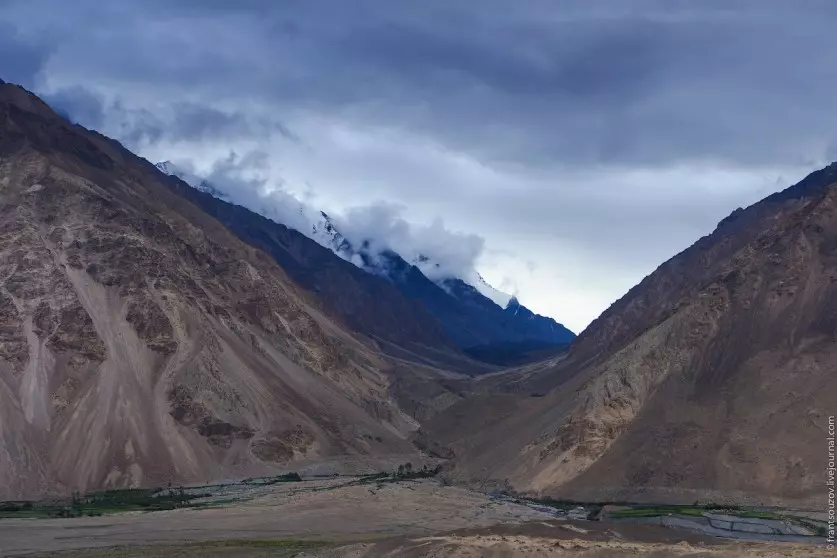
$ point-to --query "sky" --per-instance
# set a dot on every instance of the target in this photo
(564, 149)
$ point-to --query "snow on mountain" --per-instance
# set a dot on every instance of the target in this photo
(192, 180)
(319, 227)
(499, 298)
(326, 234)
(169, 168)
(314, 224)
(474, 279)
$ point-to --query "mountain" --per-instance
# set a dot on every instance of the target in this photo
(363, 302)
(711, 380)
(485, 323)
(171, 169)
(152, 333)
(142, 342)
(473, 321)
(316, 225)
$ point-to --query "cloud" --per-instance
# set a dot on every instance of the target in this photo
(438, 251)
(564, 83)
(79, 105)
(593, 138)
(240, 179)
(382, 226)
(22, 59)
(176, 121)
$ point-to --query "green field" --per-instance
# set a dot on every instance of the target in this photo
(156, 499)
(100, 503)
(127, 500)
(697, 511)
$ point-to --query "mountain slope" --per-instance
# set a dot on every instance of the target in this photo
(486, 323)
(364, 302)
(141, 342)
(470, 318)
(710, 380)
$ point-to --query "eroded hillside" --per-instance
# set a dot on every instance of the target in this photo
(141, 342)
(711, 380)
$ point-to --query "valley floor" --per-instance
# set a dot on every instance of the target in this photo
(360, 518)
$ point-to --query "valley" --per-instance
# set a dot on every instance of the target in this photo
(386, 514)
(153, 335)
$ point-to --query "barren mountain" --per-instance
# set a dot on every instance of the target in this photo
(149, 335)
(710, 380)
(141, 342)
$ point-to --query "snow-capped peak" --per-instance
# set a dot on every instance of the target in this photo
(171, 169)
(499, 298)
(314, 224)
(433, 271)
(320, 228)
(324, 232)
(192, 180)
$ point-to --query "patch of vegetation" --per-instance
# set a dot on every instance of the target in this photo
(633, 510)
(403, 472)
(18, 509)
(266, 481)
(638, 511)
(374, 477)
(750, 513)
(741, 512)
(567, 505)
(563, 505)
(101, 503)
(657, 511)
(820, 529)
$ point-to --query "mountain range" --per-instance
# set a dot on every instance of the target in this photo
(486, 324)
(152, 331)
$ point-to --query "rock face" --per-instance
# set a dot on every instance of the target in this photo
(141, 342)
(712, 379)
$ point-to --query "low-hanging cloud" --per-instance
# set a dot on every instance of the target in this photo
(22, 58)
(239, 179)
(438, 251)
(174, 121)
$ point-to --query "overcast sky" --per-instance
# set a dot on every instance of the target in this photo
(564, 148)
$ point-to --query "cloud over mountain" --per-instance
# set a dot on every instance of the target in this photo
(438, 251)
(570, 134)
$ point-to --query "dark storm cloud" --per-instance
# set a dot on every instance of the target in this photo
(535, 82)
(78, 105)
(20, 60)
(177, 121)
